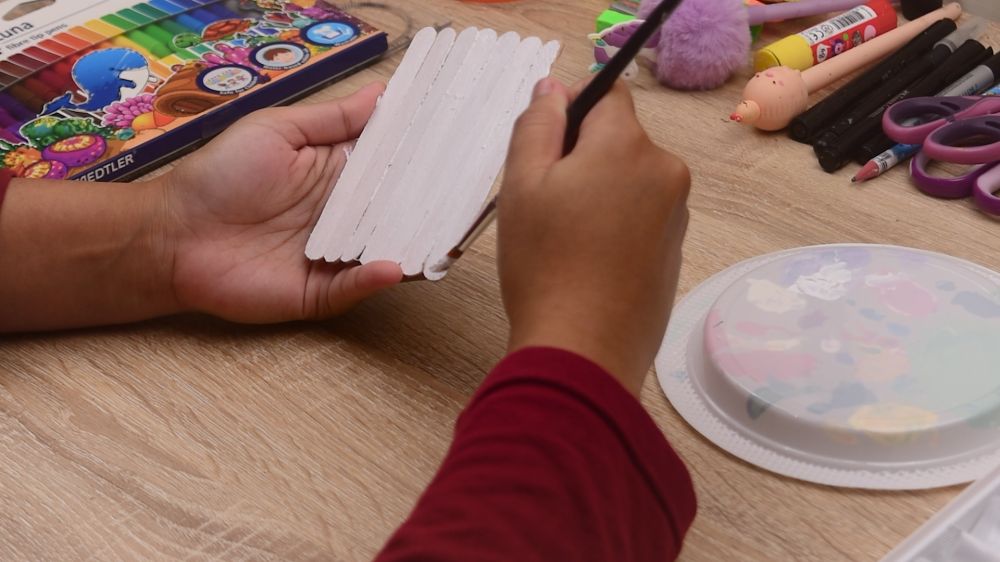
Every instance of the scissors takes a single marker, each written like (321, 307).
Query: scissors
(959, 130)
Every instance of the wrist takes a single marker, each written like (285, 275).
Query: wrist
(157, 240)
(587, 341)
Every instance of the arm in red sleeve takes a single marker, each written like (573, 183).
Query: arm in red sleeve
(552, 460)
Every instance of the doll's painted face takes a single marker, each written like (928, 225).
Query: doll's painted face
(772, 98)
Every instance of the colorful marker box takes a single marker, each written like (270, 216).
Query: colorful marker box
(830, 38)
(104, 90)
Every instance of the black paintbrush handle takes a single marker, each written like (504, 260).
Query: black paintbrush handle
(577, 111)
(605, 79)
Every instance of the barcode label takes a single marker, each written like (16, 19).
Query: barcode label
(828, 29)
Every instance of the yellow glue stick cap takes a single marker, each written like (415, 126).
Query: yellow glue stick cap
(793, 51)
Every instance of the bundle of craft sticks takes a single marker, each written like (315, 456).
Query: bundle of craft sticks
(428, 158)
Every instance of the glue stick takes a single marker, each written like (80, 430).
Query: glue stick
(830, 38)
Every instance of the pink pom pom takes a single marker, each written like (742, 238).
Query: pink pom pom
(702, 44)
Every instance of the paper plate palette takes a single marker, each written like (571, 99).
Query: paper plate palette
(848, 365)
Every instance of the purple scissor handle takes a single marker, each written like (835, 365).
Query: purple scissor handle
(981, 183)
(913, 120)
(983, 193)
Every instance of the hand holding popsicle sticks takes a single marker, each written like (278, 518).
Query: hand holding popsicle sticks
(777, 95)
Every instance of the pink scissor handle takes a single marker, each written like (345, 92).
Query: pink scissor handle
(913, 120)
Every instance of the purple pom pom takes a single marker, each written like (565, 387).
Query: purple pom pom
(702, 44)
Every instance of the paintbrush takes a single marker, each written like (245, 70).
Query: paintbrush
(577, 111)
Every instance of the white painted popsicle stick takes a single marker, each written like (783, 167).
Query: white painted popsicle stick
(438, 128)
(337, 206)
(482, 183)
(374, 168)
(383, 158)
(397, 152)
(445, 150)
(502, 99)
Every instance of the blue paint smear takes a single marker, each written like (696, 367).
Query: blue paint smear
(946, 286)
(847, 395)
(761, 400)
(814, 319)
(904, 383)
(977, 305)
(756, 407)
(799, 268)
(898, 329)
(854, 257)
(818, 408)
(845, 358)
(871, 314)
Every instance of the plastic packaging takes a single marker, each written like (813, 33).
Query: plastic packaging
(966, 530)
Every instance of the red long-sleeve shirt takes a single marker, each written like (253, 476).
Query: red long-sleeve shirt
(552, 460)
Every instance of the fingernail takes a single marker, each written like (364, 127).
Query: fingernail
(543, 88)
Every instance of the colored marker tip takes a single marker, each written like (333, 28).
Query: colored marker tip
(869, 171)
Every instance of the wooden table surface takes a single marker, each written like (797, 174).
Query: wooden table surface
(190, 438)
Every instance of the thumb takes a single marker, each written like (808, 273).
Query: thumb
(355, 284)
(323, 123)
(537, 142)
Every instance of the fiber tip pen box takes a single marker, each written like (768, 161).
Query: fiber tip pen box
(103, 90)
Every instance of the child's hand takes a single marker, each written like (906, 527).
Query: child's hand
(239, 212)
(590, 244)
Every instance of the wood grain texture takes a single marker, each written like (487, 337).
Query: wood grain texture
(189, 438)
